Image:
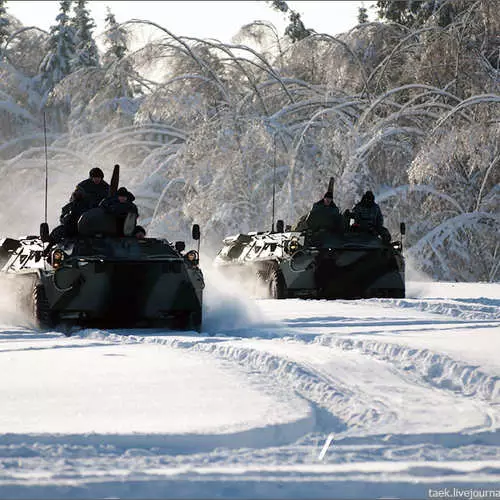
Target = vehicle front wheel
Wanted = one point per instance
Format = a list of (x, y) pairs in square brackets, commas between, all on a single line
[(42, 315), (277, 285), (188, 321), (195, 321)]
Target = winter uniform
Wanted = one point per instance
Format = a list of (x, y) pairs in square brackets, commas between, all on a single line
[(324, 219), (70, 214), (125, 212), (87, 195), (91, 193), (112, 204), (368, 216)]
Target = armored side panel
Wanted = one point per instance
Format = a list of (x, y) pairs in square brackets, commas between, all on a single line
[(7, 246)]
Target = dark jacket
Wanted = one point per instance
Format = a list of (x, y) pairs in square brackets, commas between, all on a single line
[(368, 216), (91, 193), (112, 205), (324, 218), (70, 214)]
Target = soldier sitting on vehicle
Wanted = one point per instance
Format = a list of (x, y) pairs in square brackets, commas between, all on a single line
[(368, 217), (87, 194), (140, 233), (92, 190), (121, 205), (71, 212), (323, 218)]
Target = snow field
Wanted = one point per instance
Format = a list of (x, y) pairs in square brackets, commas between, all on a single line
[(407, 390)]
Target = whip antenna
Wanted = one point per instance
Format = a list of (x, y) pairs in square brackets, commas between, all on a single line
[(46, 164), (274, 179)]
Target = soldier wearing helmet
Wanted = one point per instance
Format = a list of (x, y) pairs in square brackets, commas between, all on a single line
[(368, 216), (88, 194), (92, 190), (324, 216), (122, 206)]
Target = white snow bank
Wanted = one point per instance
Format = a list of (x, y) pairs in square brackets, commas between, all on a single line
[(89, 385)]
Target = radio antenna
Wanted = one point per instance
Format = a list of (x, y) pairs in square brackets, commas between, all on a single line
[(274, 178), (46, 164)]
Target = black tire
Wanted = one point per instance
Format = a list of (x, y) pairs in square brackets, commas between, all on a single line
[(397, 293), (277, 286), (42, 315), (188, 321), (260, 285), (194, 322)]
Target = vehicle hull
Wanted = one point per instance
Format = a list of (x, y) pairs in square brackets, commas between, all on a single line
[(126, 284), (124, 293), (346, 266)]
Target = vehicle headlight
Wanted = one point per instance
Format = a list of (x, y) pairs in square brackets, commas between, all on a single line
[(57, 258), (397, 245), (294, 245)]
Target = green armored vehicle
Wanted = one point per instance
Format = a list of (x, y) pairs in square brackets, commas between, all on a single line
[(105, 278), (348, 264)]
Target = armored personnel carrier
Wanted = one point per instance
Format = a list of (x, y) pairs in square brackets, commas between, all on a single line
[(105, 278), (286, 264)]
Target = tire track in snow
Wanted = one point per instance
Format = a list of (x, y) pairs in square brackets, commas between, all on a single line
[(432, 368), (466, 309), (343, 406)]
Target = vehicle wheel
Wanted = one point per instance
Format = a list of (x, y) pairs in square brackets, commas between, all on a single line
[(43, 316), (260, 285), (277, 286), (195, 321), (188, 321)]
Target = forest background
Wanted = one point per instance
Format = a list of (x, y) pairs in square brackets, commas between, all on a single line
[(407, 106)]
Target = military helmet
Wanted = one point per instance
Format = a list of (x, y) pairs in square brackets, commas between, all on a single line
[(96, 172)]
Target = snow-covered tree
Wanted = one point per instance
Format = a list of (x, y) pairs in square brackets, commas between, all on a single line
[(116, 40), (4, 25), (86, 53), (415, 13), (61, 50), (410, 112), (296, 30), (362, 15)]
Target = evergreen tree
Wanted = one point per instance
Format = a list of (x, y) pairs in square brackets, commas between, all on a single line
[(115, 40), (86, 53), (296, 29), (4, 24), (414, 13), (118, 68), (61, 49), (362, 15), (280, 5)]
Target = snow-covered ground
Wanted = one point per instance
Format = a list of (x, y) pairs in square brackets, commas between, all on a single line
[(278, 399)]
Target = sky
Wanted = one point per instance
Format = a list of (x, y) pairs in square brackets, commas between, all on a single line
[(202, 19)]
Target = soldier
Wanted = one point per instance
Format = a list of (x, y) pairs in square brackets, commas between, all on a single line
[(368, 217), (88, 194), (121, 205), (140, 233), (92, 190), (324, 217), (70, 214)]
